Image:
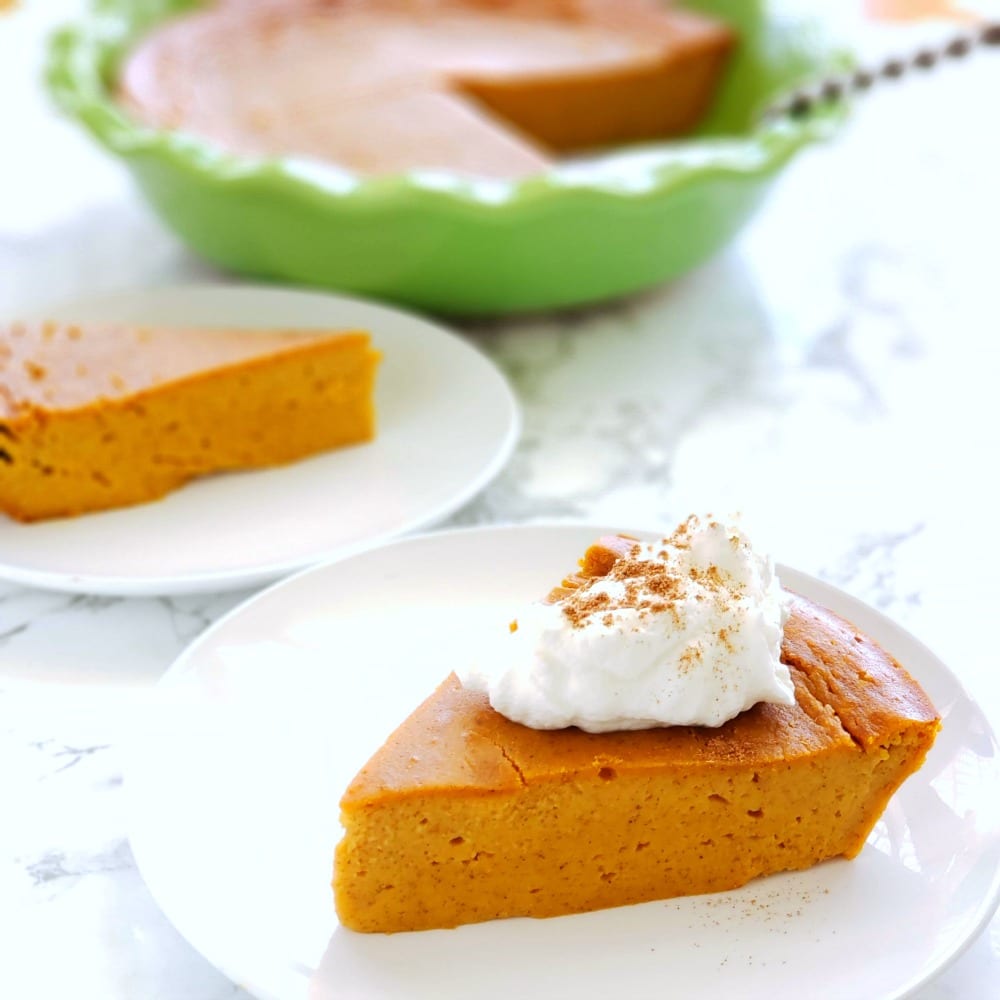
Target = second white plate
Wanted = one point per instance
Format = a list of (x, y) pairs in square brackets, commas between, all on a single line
[(268, 716), (447, 422)]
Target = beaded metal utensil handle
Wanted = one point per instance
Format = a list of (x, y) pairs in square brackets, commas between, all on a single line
[(803, 102)]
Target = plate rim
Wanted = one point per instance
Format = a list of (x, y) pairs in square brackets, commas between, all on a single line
[(989, 901), (229, 580)]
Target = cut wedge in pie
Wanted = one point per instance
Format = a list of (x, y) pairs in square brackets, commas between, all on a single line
[(383, 86), (94, 417), (465, 816)]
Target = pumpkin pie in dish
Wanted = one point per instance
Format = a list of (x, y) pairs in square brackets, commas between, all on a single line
[(465, 815), (94, 417), (479, 87)]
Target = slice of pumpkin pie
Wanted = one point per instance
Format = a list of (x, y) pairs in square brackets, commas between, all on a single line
[(101, 416), (465, 815)]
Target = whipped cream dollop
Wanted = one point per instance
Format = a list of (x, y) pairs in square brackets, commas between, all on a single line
[(684, 631)]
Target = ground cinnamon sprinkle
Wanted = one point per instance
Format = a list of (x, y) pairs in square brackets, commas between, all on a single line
[(690, 657), (723, 635), (582, 603), (650, 586)]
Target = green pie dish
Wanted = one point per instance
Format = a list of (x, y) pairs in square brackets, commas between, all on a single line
[(583, 232)]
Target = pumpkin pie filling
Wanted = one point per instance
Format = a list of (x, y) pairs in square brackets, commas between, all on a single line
[(101, 416), (386, 86), (464, 815)]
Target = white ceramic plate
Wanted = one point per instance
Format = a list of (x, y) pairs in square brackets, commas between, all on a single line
[(447, 422), (267, 717)]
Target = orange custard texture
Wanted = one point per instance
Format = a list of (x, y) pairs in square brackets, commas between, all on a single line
[(101, 416), (465, 816), (484, 87)]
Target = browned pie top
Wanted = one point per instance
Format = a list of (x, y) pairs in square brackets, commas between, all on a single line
[(849, 692), (389, 84), (53, 366)]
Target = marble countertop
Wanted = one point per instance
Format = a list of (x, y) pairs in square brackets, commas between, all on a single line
[(833, 375)]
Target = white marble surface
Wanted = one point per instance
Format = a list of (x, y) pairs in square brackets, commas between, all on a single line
[(834, 376)]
